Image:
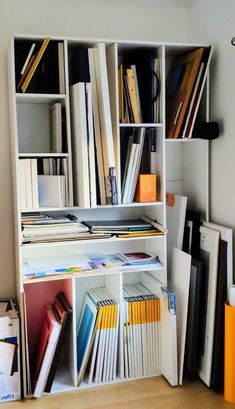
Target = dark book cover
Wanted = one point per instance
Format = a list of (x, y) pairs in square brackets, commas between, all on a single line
[(79, 66)]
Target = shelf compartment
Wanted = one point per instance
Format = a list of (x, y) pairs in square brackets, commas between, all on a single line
[(39, 98), (45, 293)]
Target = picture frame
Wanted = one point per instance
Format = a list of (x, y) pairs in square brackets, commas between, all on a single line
[(191, 347), (209, 250)]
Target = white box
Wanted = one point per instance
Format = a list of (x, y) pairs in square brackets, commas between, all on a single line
[(51, 190), (10, 387)]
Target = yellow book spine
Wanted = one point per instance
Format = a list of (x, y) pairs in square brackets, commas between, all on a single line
[(35, 64)]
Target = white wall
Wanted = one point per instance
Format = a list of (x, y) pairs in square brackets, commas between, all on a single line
[(133, 19), (213, 21)]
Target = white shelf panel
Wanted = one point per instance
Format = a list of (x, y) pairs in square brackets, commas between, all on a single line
[(43, 155), (39, 98), (71, 243), (90, 273), (62, 382), (179, 140), (142, 125), (59, 209)]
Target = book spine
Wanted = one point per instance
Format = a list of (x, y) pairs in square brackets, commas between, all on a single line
[(113, 183)]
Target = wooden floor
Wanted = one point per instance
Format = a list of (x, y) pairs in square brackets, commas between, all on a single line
[(151, 393)]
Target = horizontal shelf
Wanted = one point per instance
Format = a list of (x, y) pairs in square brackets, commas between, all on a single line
[(91, 241), (142, 125), (39, 98), (63, 382), (43, 155), (179, 140), (90, 273), (71, 208)]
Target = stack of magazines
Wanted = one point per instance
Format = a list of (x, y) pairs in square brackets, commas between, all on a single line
[(61, 265), (37, 228), (141, 331)]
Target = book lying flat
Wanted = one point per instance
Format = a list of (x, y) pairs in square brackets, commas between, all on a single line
[(116, 224)]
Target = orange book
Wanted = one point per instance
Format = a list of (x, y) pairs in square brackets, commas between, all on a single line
[(146, 189)]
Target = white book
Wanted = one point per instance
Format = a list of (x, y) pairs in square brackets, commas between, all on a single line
[(114, 361), (136, 166), (95, 345), (55, 328), (51, 190), (65, 172), (22, 184), (28, 58), (51, 166), (125, 341), (97, 130), (91, 147), (79, 144), (28, 182), (61, 68), (107, 344), (131, 188), (199, 95), (105, 118), (193, 99), (56, 127), (129, 173), (46, 168), (34, 181)]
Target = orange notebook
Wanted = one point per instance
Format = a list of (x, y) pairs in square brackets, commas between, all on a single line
[(229, 354), (146, 190)]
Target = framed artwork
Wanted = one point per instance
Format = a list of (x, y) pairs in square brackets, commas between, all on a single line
[(209, 250), (191, 347)]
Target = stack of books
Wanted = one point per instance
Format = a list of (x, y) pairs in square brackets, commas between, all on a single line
[(185, 84), (126, 228), (92, 136), (51, 339), (141, 331), (49, 266), (42, 228), (97, 337)]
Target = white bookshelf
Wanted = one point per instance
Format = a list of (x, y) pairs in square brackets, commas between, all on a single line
[(182, 166)]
